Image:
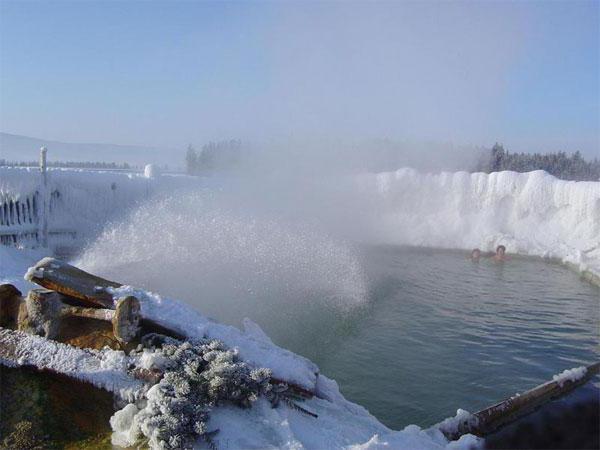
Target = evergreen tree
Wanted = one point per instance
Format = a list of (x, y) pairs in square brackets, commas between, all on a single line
[(191, 161), (497, 158), (560, 164)]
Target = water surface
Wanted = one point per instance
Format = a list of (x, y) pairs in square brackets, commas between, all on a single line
[(440, 332), (411, 334), (443, 332)]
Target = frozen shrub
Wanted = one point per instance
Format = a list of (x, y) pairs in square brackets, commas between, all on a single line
[(197, 377)]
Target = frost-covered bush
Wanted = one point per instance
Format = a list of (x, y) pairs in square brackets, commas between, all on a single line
[(197, 377)]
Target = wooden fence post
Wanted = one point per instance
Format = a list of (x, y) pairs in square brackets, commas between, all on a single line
[(45, 198)]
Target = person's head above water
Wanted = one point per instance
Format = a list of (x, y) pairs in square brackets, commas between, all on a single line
[(475, 254), (500, 253)]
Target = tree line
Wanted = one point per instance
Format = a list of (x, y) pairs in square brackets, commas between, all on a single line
[(560, 164), (225, 155), (214, 156)]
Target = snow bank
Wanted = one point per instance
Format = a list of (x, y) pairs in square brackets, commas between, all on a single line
[(339, 426), (530, 213)]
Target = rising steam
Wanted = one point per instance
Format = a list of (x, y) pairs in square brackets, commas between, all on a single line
[(198, 247)]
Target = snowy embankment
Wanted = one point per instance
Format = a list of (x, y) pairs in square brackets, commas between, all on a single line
[(530, 213)]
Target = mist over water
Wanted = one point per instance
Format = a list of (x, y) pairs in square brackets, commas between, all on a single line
[(204, 247)]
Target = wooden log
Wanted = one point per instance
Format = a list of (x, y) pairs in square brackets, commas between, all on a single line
[(46, 311), (10, 300), (92, 290), (508, 411), (62, 358), (69, 280)]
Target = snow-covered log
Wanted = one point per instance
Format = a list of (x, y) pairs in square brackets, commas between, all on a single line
[(66, 279), (512, 409)]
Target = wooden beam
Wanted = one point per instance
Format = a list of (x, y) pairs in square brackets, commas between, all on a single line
[(61, 358), (69, 280), (508, 411)]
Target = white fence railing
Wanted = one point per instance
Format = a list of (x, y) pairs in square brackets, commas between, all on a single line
[(61, 208), (19, 218), (24, 216), (37, 210)]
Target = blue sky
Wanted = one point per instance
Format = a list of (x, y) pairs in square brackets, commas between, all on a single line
[(168, 73)]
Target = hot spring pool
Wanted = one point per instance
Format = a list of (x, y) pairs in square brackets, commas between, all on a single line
[(432, 331), (440, 332)]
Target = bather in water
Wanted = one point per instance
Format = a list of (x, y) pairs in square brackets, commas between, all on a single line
[(500, 255)]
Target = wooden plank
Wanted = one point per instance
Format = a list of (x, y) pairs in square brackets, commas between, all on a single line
[(508, 411), (14, 345), (69, 280)]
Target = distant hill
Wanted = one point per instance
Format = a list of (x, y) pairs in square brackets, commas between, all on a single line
[(22, 148)]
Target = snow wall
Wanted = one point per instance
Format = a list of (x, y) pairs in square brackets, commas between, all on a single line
[(530, 213)]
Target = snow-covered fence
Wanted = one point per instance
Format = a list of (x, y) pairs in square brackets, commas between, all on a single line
[(22, 214), (19, 218), (53, 207)]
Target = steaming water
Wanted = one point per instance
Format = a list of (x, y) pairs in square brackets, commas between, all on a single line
[(442, 332), (410, 334)]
